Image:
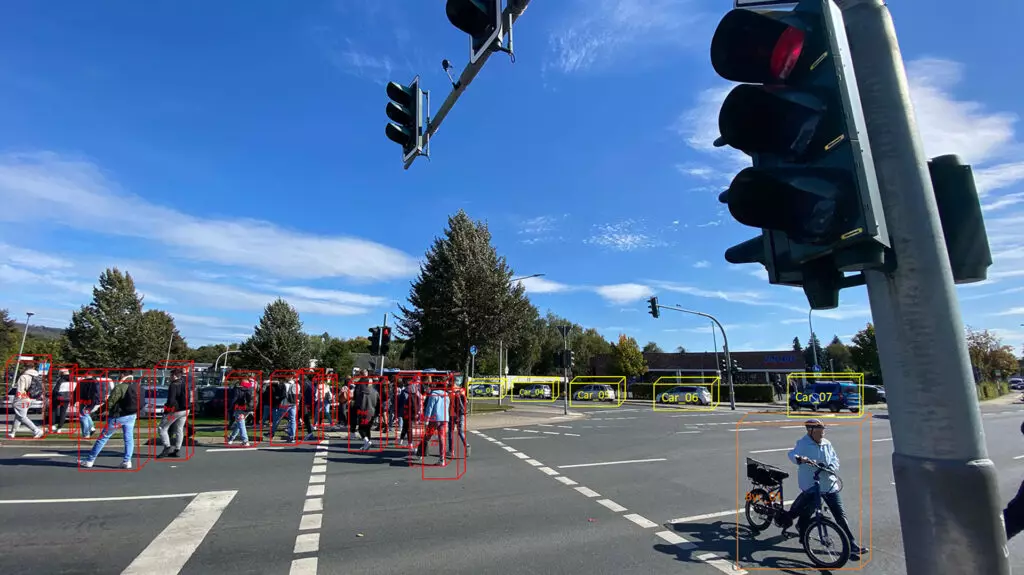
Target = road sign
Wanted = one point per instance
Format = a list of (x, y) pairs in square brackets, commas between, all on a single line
[(817, 368), (472, 350), (750, 4)]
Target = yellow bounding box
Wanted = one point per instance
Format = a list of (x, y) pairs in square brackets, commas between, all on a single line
[(482, 388), (841, 394), (594, 390), (530, 389), (686, 392)]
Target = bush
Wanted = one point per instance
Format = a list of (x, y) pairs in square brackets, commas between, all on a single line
[(992, 389)]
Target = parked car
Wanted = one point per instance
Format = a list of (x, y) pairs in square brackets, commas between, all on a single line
[(832, 395), (484, 390), (154, 399), (685, 394), (535, 391), (1017, 383), (879, 393), (594, 392)]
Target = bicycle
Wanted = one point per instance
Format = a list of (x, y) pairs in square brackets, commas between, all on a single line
[(765, 505)]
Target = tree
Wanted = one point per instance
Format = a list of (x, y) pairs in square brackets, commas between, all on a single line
[(463, 296), (652, 347), (45, 346), (586, 346), (107, 332), (814, 351), (680, 349), (989, 356), (157, 331), (796, 345), (627, 358), (838, 355), (337, 356), (207, 353), (277, 341), (864, 351), (8, 335)]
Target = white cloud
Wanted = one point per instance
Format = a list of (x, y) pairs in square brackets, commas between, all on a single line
[(541, 285), (702, 264), (601, 33), (749, 297), (32, 259), (79, 196), (539, 229), (624, 293), (35, 281), (204, 321), (624, 236)]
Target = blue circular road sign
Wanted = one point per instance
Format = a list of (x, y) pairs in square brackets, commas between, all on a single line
[(472, 350)]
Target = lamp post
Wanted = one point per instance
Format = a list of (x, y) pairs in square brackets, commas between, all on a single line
[(21, 350)]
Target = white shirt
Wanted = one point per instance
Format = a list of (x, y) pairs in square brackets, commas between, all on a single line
[(824, 454)]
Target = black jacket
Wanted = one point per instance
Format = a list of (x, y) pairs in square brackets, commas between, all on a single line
[(177, 397)]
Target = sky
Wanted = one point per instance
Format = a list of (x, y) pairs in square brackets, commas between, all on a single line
[(228, 153)]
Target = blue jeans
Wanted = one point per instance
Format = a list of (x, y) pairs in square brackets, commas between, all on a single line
[(278, 414), (239, 426), (85, 421), (127, 426), (458, 421)]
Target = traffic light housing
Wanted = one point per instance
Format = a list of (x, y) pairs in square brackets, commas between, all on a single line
[(406, 112), (560, 360), (570, 359), (481, 19), (654, 311), (811, 187), (722, 366), (375, 341), (736, 367), (385, 340)]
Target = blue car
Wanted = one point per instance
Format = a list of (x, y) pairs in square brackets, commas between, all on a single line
[(832, 395)]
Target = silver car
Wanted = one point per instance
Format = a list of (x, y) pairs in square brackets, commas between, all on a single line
[(153, 400), (594, 392), (685, 394)]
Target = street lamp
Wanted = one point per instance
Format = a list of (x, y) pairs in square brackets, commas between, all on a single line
[(502, 365), (814, 348), (28, 318), (527, 277), (222, 355)]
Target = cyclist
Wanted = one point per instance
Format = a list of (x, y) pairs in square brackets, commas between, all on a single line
[(813, 447)]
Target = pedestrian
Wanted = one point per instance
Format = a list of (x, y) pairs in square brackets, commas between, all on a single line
[(122, 408), (814, 448), (28, 388), (87, 394), (365, 404), (309, 406), (402, 407), (457, 424), (241, 402), (60, 401), (175, 414), (435, 411), (282, 404)]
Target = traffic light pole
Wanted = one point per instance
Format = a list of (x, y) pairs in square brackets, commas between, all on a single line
[(512, 13), (725, 349), (938, 439)]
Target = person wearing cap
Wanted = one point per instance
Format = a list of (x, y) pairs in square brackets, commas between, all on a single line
[(1013, 515), (814, 448)]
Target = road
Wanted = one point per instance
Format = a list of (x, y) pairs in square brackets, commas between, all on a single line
[(622, 490)]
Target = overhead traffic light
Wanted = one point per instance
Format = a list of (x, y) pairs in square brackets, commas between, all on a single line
[(385, 340), (405, 110), (375, 341), (481, 19), (812, 187), (654, 311)]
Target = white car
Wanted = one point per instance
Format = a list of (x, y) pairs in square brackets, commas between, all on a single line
[(594, 392), (685, 394), (535, 391), (484, 390)]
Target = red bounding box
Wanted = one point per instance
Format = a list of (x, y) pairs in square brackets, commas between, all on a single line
[(242, 406), (63, 411), (143, 429), (14, 368), (284, 396), (92, 386), (168, 374), (361, 417), (438, 403), (308, 433), (325, 391)]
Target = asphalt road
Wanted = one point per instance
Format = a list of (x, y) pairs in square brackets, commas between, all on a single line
[(624, 490)]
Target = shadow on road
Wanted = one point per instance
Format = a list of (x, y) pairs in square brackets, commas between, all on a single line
[(719, 538), (41, 462)]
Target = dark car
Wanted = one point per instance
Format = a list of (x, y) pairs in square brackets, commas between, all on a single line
[(832, 395)]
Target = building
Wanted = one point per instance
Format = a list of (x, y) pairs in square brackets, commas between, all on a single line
[(758, 366)]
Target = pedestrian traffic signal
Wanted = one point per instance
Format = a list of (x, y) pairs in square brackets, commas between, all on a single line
[(385, 340), (406, 113), (481, 19), (375, 341), (812, 187), (654, 311)]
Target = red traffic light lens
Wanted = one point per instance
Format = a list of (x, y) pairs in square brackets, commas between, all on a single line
[(787, 52), (756, 48)]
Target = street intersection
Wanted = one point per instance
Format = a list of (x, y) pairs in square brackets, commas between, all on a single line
[(619, 490)]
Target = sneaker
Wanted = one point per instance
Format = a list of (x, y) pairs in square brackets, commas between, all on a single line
[(10, 435), (164, 453), (245, 444), (231, 442), (124, 465), (86, 463), (175, 454), (441, 461), (54, 429), (37, 434)]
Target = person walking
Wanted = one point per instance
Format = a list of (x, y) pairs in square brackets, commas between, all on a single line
[(87, 394), (29, 384), (457, 425), (436, 413), (60, 400), (365, 405), (241, 404), (283, 405), (122, 408), (176, 414)]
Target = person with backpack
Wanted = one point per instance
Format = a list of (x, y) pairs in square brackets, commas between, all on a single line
[(282, 403), (457, 425), (436, 413), (309, 406), (87, 395), (28, 388), (241, 402), (122, 409), (176, 414), (365, 404), (60, 400)]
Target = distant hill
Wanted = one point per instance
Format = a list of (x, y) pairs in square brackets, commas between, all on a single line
[(41, 331)]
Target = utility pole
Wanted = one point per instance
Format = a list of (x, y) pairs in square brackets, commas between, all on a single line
[(21, 350), (168, 360), (938, 439), (565, 330)]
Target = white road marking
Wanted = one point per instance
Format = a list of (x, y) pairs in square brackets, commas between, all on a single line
[(311, 521), (317, 478), (611, 505), (792, 427), (772, 450), (688, 432), (521, 455), (241, 449), (510, 429), (641, 520), (547, 470), (522, 438), (1018, 457), (564, 426), (721, 564), (475, 432), (572, 434), (544, 425), (673, 539), (551, 433), (747, 429), (304, 566), (307, 543), (611, 463), (97, 499), (173, 547), (508, 449), (534, 462), (530, 431), (565, 480), (882, 439), (315, 490), (45, 455), (695, 518), (313, 504), (588, 492), (322, 468)]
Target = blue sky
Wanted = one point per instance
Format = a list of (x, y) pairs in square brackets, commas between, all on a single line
[(226, 153)]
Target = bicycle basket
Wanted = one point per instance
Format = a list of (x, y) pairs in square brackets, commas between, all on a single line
[(764, 474)]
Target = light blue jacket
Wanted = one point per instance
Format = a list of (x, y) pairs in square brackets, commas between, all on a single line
[(437, 407), (824, 454)]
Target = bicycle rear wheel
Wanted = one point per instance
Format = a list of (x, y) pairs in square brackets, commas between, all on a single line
[(758, 504), (835, 545)]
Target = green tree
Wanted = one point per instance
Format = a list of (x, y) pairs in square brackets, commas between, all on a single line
[(588, 344), (680, 349), (358, 344), (157, 331), (336, 356), (652, 347), (277, 341), (35, 345), (796, 345), (814, 347), (988, 354), (864, 351), (8, 335), (838, 355), (463, 296), (107, 332), (627, 358), (207, 353)]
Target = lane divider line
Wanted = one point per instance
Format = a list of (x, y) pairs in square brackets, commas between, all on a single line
[(312, 519)]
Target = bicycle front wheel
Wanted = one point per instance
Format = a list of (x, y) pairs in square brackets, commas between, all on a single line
[(826, 544), (757, 509)]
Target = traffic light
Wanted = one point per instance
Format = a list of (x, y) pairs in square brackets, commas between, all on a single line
[(405, 110), (385, 340), (655, 313), (722, 366), (811, 187), (736, 367), (374, 341), (481, 19), (570, 359), (560, 360)]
